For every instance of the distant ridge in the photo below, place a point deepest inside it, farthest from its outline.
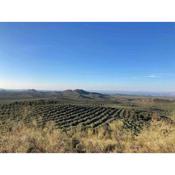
(69, 94)
(77, 94)
(32, 90)
(80, 93)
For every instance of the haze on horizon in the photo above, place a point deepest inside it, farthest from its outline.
(90, 56)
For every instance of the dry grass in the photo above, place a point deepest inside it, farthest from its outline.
(159, 137)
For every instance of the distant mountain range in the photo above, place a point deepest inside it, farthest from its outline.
(77, 94)
(33, 94)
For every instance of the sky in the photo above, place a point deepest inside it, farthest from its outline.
(90, 56)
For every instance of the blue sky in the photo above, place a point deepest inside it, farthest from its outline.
(91, 56)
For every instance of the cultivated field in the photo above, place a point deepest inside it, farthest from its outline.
(67, 116)
(112, 124)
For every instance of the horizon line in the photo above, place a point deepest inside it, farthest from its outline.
(107, 90)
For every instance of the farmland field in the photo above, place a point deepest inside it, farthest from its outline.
(73, 116)
(68, 116)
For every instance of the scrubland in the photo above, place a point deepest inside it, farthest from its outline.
(158, 137)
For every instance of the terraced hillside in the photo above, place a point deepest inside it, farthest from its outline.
(67, 116)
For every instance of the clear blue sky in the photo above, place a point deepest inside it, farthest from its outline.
(91, 56)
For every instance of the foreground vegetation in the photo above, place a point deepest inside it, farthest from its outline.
(56, 127)
(20, 137)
